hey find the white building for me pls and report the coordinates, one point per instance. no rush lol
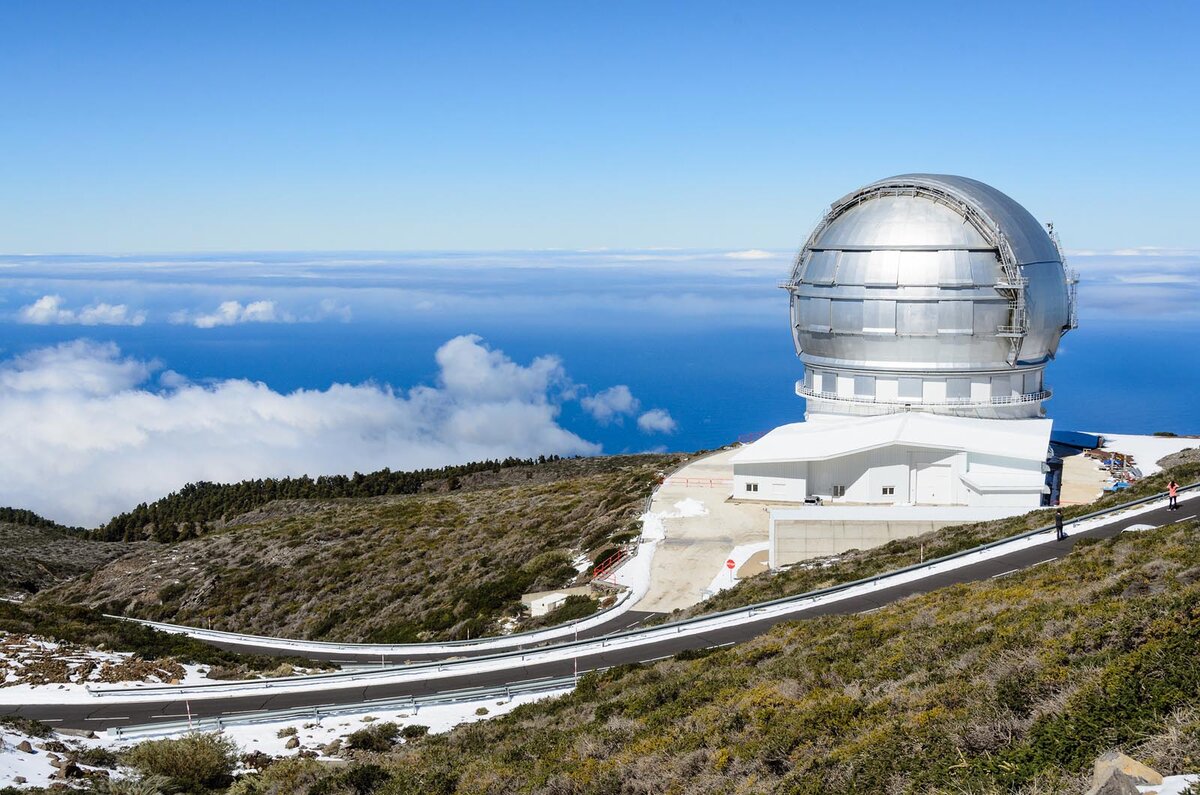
(911, 458)
(925, 309)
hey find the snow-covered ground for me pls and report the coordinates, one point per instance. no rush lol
(727, 577)
(36, 766)
(1172, 785)
(1146, 450)
(271, 738)
(317, 735)
(30, 664)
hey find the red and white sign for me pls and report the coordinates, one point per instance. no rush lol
(729, 564)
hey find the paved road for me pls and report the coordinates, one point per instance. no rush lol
(622, 622)
(100, 715)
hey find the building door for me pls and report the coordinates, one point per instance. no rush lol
(933, 485)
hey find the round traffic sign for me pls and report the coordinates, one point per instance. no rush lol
(729, 564)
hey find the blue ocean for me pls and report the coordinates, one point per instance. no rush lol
(122, 378)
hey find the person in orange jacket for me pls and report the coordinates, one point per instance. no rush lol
(1173, 496)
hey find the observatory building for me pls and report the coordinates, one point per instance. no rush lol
(924, 309)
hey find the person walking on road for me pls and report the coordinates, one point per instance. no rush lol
(1058, 525)
(1173, 496)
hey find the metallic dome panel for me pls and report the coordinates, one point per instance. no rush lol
(929, 275)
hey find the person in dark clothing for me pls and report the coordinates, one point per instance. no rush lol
(1058, 525)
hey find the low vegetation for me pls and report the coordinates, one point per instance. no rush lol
(39, 553)
(1005, 686)
(199, 507)
(194, 763)
(446, 563)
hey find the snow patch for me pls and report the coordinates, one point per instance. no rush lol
(726, 577)
(1172, 785)
(1146, 450)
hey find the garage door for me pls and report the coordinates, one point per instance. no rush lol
(933, 485)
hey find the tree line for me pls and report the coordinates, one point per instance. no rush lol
(25, 518)
(188, 512)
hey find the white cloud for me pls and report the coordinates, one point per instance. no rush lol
(83, 434)
(657, 421)
(752, 253)
(611, 404)
(231, 313)
(49, 310)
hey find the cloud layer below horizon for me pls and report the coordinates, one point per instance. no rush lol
(86, 432)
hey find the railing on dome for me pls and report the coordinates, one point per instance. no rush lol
(1011, 400)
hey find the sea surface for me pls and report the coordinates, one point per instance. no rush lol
(719, 384)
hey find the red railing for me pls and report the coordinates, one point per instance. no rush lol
(708, 483)
(608, 567)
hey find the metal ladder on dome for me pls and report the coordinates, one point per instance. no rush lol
(1012, 287)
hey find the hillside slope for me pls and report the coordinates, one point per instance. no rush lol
(1009, 685)
(435, 565)
(39, 554)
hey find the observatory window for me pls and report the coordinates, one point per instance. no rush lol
(916, 317)
(751, 487)
(822, 267)
(1033, 382)
(864, 386)
(909, 388)
(839, 491)
(829, 383)
(889, 491)
(808, 378)
(879, 316)
(955, 317)
(958, 388)
(847, 316)
(882, 267)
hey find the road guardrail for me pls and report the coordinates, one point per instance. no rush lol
(583, 647)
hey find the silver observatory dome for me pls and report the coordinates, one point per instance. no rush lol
(928, 292)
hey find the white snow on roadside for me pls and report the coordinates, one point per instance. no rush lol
(726, 577)
(1172, 785)
(35, 767)
(315, 735)
(1146, 450)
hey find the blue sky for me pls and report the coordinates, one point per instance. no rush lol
(296, 126)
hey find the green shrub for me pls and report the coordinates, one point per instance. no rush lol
(193, 763)
(97, 757)
(29, 726)
(414, 731)
(294, 774)
(380, 737)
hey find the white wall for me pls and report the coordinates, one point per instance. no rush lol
(785, 481)
(866, 474)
